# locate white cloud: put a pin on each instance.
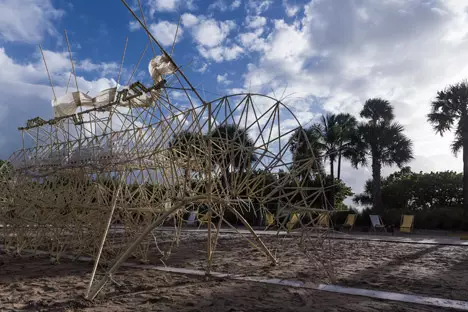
(235, 4)
(58, 64)
(232, 52)
(211, 33)
(169, 5)
(56, 61)
(189, 20)
(221, 53)
(258, 6)
(27, 20)
(103, 68)
(342, 53)
(134, 26)
(255, 21)
(26, 93)
(164, 32)
(252, 40)
(211, 37)
(223, 5)
(290, 9)
(164, 5)
(223, 79)
(203, 67)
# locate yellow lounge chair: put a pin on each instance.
(323, 220)
(269, 219)
(292, 221)
(350, 220)
(202, 218)
(407, 223)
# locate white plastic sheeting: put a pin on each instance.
(160, 65)
(105, 97)
(68, 103)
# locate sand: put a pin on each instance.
(36, 284)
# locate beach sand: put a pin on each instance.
(37, 284)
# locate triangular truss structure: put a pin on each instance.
(99, 181)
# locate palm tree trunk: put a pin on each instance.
(465, 173)
(332, 178)
(227, 182)
(339, 163)
(377, 204)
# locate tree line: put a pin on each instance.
(379, 140)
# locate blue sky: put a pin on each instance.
(323, 55)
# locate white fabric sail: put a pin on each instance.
(68, 103)
(105, 97)
(160, 65)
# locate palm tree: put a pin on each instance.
(449, 111)
(307, 162)
(186, 146)
(347, 125)
(306, 153)
(328, 134)
(232, 149)
(333, 138)
(383, 141)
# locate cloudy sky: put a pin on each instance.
(320, 55)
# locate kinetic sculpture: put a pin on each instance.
(108, 170)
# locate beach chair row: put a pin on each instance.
(322, 221)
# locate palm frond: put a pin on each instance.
(377, 110)
(457, 145)
(449, 106)
(395, 146)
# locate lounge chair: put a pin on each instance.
(192, 218)
(269, 219)
(376, 222)
(350, 220)
(407, 222)
(323, 221)
(292, 221)
(203, 218)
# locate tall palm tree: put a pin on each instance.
(306, 153)
(307, 161)
(381, 140)
(347, 125)
(449, 111)
(328, 134)
(334, 136)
